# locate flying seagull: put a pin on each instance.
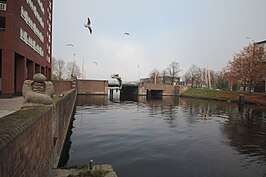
(88, 25)
(95, 63)
(70, 45)
(126, 34)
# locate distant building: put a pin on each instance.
(168, 80)
(261, 85)
(262, 44)
(25, 42)
(145, 80)
(162, 80)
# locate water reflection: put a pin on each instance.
(244, 126)
(164, 102)
(168, 136)
(166, 106)
(66, 148)
(67, 144)
(246, 131)
(100, 100)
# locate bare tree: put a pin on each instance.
(73, 70)
(164, 74)
(247, 67)
(58, 69)
(173, 71)
(220, 81)
(194, 76)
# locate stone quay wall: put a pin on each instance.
(181, 89)
(61, 86)
(92, 87)
(167, 90)
(32, 138)
(61, 119)
(84, 87)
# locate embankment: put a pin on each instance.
(31, 139)
(229, 96)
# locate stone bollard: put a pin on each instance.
(241, 99)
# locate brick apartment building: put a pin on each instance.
(25, 42)
(261, 86)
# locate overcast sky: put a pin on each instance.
(206, 33)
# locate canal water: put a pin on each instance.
(170, 137)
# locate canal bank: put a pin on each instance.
(31, 139)
(228, 96)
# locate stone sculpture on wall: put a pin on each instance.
(37, 91)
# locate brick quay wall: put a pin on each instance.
(31, 139)
(84, 87)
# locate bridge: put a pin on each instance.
(105, 87)
(145, 89)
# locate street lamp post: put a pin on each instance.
(72, 71)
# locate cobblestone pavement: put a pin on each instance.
(10, 105)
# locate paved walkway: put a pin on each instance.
(10, 105)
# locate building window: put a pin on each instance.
(2, 23)
(3, 5)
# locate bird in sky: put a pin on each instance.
(126, 33)
(70, 45)
(95, 63)
(88, 25)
